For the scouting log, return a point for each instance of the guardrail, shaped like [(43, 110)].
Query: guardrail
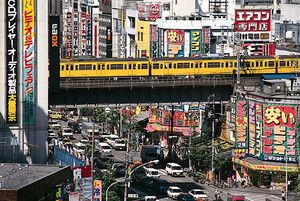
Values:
[(75, 83)]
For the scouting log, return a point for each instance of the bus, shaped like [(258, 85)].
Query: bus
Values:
[(87, 130)]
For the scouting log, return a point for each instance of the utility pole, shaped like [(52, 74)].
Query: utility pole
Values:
[(213, 134), (92, 161), (126, 163)]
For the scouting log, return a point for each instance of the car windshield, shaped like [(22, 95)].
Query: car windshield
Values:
[(176, 168), (199, 192), (154, 173), (119, 141), (68, 130), (177, 190), (106, 147)]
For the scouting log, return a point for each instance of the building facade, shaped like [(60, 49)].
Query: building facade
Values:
[(23, 76)]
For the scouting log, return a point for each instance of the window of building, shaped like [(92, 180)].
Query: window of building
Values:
[(139, 36), (132, 22), (166, 6), (142, 36)]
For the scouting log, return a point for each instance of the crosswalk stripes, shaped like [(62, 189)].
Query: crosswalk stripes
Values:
[(162, 171)]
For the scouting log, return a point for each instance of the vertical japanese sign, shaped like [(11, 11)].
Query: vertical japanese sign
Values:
[(12, 63), (196, 38), (97, 190), (108, 42), (279, 132), (29, 62), (69, 35), (88, 35), (54, 47), (252, 135), (206, 35), (241, 124), (258, 129), (154, 40), (75, 34), (83, 34), (233, 109)]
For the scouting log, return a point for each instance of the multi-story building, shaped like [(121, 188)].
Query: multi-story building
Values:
[(105, 29), (266, 133)]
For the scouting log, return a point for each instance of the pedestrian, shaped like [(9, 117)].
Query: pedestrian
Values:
[(217, 194), (283, 195)]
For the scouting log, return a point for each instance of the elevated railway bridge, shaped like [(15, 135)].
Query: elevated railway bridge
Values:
[(81, 91)]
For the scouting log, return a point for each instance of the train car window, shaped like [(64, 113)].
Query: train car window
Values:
[(192, 65), (222, 65), (186, 65), (144, 66), (246, 64), (155, 66), (288, 63), (235, 64), (271, 63), (113, 66), (88, 67), (94, 67), (266, 64), (196, 65), (103, 66), (257, 64), (175, 65), (76, 67), (226, 64), (204, 65), (134, 66), (129, 67), (282, 63), (125, 66), (62, 67), (213, 64), (161, 66), (81, 67), (67, 67), (180, 65), (139, 66), (98, 68), (71, 67)]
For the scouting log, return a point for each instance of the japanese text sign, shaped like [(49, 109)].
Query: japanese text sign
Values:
[(250, 20), (176, 37)]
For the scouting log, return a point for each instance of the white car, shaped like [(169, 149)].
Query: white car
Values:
[(197, 193), (118, 144), (111, 139), (104, 148), (151, 172), (174, 192), (67, 132), (174, 169)]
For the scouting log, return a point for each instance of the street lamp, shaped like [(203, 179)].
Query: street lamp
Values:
[(129, 175), (118, 180)]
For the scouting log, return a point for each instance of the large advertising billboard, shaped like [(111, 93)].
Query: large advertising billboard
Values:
[(29, 88), (252, 20), (12, 62), (258, 49), (175, 43), (54, 56), (75, 34), (279, 132), (267, 130)]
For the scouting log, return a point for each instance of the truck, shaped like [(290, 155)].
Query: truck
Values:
[(150, 153)]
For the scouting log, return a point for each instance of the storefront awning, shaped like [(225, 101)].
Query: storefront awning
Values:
[(259, 165), (186, 131)]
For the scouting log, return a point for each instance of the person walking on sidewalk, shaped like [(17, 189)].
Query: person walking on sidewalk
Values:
[(217, 195), (283, 195)]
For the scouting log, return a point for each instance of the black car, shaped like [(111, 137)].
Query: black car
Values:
[(119, 169), (185, 197), (74, 126)]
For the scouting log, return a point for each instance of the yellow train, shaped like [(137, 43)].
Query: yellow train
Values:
[(196, 66)]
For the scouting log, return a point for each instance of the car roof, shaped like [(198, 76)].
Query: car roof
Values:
[(174, 164), (103, 144), (174, 187)]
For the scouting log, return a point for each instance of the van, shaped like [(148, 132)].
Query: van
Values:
[(104, 148), (149, 153), (174, 169), (151, 172)]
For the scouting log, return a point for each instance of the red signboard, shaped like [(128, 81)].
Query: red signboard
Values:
[(176, 37), (280, 116), (154, 11), (206, 35), (250, 20), (258, 49)]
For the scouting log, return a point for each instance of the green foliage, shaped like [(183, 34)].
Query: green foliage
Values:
[(86, 111), (99, 115)]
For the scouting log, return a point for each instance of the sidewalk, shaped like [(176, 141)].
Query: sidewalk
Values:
[(251, 193)]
